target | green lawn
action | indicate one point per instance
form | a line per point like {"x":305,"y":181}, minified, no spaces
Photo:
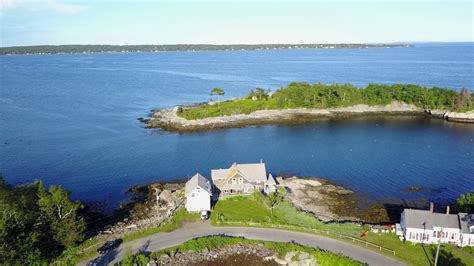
{"x":416,"y":254}
{"x":179,"y":217}
{"x":251,"y":211}
{"x":247,"y":209}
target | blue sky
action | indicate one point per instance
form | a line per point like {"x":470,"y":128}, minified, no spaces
{"x":225,"y":22}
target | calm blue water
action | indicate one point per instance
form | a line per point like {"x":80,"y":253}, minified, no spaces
{"x":71,"y":120}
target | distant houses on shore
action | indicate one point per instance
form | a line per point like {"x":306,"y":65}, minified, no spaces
{"x":238,"y":179}
{"x":428,"y":227}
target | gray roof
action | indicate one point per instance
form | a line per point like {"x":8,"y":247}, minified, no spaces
{"x":198,"y":181}
{"x":252,"y":172}
{"x":426,"y":219}
{"x":271,"y":180}
{"x":466,"y":220}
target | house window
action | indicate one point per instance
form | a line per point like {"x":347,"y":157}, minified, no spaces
{"x":192,"y":194}
{"x":434,"y":233}
{"x":241,"y":180}
{"x":234,"y":180}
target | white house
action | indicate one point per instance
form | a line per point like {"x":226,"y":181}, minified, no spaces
{"x":243,"y":179}
{"x":198,"y":192}
{"x":467,"y":229}
{"x":426,"y":226}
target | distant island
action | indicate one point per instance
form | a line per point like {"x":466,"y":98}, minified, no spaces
{"x":76,"y":49}
{"x":301,"y":102}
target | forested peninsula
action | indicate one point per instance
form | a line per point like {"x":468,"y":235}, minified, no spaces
{"x":300,"y":102}
{"x":75,"y":49}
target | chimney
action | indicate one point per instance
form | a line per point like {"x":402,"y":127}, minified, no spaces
{"x":447,"y":210}
{"x":431,"y":206}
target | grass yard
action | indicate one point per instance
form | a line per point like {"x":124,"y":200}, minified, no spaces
{"x":179,"y":217}
{"x":239,"y":208}
{"x":416,"y":254}
{"x":253,"y":211}
{"x":248,"y":209}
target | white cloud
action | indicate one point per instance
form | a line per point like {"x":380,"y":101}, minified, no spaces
{"x":38,"y":5}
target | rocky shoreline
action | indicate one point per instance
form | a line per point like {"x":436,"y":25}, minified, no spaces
{"x":168,"y":119}
{"x":329,"y":202}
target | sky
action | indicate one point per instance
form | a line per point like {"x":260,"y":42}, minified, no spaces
{"x":34,"y":22}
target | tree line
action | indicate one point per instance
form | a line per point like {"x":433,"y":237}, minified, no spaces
{"x":325,"y":96}
{"x":37,"y":224}
{"x":321,"y":96}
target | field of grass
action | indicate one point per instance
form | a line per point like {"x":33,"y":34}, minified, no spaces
{"x":251,"y":211}
{"x":323,"y":257}
{"x":238,"y":106}
{"x":416,"y":254}
{"x":240,"y":209}
{"x":179,"y":217}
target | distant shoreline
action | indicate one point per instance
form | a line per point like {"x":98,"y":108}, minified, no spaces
{"x":88,"y":49}
{"x":169,"y":120}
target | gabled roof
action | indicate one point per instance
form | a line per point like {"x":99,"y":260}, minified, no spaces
{"x":198,"y":181}
{"x":252,"y":172}
{"x":271,"y":180}
{"x":466,"y":220}
{"x":424,"y":219}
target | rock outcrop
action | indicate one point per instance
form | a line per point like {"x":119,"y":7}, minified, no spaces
{"x":467,"y":117}
{"x":239,"y":254}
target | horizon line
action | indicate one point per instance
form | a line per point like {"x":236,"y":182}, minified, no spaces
{"x":229,"y":44}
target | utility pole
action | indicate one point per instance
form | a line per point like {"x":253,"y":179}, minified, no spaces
{"x":437,"y":249}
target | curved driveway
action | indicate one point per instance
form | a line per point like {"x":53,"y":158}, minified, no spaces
{"x":199,"y":229}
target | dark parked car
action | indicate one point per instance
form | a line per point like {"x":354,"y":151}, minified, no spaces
{"x":109,"y":245}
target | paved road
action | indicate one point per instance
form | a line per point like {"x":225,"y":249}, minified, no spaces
{"x":198,"y":229}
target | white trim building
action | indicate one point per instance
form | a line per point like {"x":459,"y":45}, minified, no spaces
{"x":426,"y":226}
{"x":198,"y":192}
{"x":466,"y":221}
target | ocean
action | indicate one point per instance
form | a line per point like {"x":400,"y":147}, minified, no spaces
{"x":71,"y":119}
